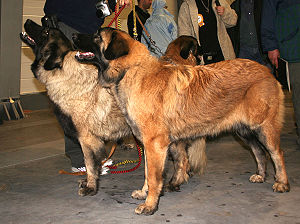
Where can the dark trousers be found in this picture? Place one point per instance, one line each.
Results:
(74, 152)
(72, 148)
(213, 57)
(253, 54)
(294, 69)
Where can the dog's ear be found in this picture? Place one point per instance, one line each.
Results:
(187, 48)
(55, 59)
(117, 47)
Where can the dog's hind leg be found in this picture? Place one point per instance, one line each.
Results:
(92, 149)
(250, 137)
(270, 137)
(264, 110)
(181, 166)
(197, 156)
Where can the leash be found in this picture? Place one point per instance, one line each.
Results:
(128, 161)
(135, 34)
(152, 42)
(135, 16)
(114, 166)
(113, 149)
(116, 16)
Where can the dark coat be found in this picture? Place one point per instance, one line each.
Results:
(78, 14)
(280, 28)
(234, 32)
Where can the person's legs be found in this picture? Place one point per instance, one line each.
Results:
(74, 152)
(72, 147)
(294, 69)
(251, 53)
(213, 58)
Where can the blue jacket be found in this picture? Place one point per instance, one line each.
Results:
(78, 14)
(161, 27)
(280, 28)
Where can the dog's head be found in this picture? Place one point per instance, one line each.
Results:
(112, 51)
(184, 50)
(49, 45)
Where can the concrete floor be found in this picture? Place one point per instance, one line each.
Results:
(32, 191)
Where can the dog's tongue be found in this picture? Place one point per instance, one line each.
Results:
(85, 55)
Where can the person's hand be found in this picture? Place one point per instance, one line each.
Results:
(273, 56)
(125, 2)
(220, 10)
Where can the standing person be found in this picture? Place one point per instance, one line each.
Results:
(141, 11)
(179, 4)
(75, 16)
(247, 36)
(281, 39)
(125, 2)
(207, 22)
(161, 27)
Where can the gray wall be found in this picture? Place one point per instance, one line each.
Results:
(10, 47)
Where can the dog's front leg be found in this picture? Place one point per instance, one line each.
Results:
(92, 149)
(156, 151)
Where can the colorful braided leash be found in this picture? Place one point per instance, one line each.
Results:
(139, 161)
(116, 15)
(115, 166)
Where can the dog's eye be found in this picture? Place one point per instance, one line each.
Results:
(98, 32)
(46, 32)
(96, 36)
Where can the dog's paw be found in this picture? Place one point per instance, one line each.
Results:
(144, 209)
(280, 187)
(82, 183)
(172, 188)
(87, 191)
(139, 194)
(84, 190)
(255, 178)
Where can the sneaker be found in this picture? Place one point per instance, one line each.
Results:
(108, 163)
(78, 169)
(105, 167)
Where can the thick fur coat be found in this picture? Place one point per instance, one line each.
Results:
(164, 104)
(89, 112)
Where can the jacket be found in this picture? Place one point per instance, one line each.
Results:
(280, 28)
(161, 27)
(234, 32)
(78, 14)
(188, 24)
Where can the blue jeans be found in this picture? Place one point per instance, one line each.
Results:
(253, 54)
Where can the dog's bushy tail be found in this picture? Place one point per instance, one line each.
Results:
(197, 156)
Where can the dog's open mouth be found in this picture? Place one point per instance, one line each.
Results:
(85, 55)
(28, 38)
